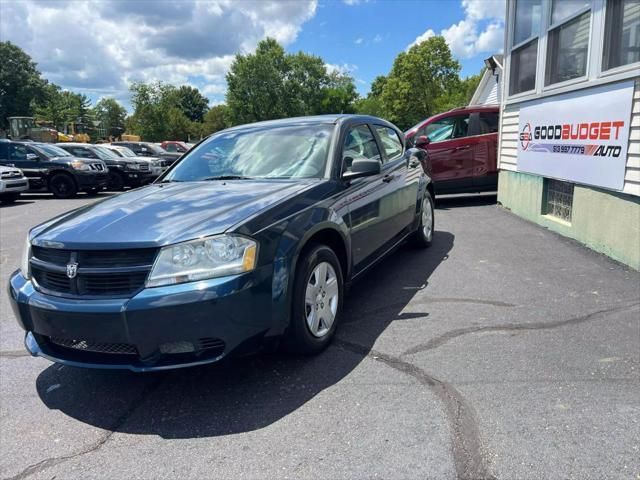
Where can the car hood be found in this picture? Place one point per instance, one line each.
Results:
(68, 160)
(162, 214)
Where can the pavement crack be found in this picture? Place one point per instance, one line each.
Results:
(468, 452)
(510, 327)
(119, 421)
(14, 353)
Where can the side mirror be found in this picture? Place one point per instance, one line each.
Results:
(422, 141)
(32, 157)
(362, 167)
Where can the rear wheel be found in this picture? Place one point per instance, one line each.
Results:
(62, 186)
(423, 236)
(317, 301)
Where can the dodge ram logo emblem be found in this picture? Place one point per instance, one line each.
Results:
(72, 269)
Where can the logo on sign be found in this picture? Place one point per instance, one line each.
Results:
(72, 269)
(525, 136)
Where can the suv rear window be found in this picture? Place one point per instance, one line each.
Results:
(489, 122)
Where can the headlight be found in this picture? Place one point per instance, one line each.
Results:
(133, 166)
(26, 256)
(201, 259)
(80, 166)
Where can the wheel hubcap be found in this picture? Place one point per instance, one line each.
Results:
(427, 218)
(321, 299)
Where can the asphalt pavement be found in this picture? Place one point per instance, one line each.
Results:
(503, 352)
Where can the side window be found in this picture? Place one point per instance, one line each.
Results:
(4, 151)
(18, 153)
(391, 143)
(489, 122)
(79, 152)
(359, 142)
(447, 128)
(170, 147)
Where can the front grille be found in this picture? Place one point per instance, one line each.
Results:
(97, 347)
(144, 167)
(11, 174)
(97, 166)
(99, 273)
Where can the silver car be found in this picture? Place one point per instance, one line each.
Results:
(12, 183)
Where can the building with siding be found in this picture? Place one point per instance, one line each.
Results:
(569, 149)
(489, 90)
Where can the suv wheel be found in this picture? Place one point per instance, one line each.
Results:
(423, 237)
(116, 181)
(62, 185)
(317, 301)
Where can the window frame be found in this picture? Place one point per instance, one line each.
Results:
(383, 152)
(517, 46)
(595, 75)
(343, 137)
(564, 21)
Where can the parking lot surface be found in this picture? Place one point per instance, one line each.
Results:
(504, 351)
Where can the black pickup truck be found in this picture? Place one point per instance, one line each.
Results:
(49, 168)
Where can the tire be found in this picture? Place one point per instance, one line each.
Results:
(423, 237)
(63, 185)
(116, 181)
(311, 330)
(9, 197)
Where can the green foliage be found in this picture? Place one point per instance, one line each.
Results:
(192, 103)
(157, 114)
(216, 119)
(20, 83)
(419, 81)
(273, 84)
(62, 107)
(112, 115)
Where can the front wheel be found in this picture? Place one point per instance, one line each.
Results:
(116, 181)
(62, 186)
(317, 301)
(423, 236)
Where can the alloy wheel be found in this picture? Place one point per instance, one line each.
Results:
(321, 299)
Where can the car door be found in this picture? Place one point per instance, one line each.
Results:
(405, 177)
(27, 159)
(485, 149)
(451, 155)
(371, 208)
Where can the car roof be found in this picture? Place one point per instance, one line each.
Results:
(312, 119)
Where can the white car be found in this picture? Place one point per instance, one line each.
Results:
(12, 183)
(155, 164)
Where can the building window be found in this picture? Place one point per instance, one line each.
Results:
(522, 77)
(527, 19)
(622, 33)
(567, 50)
(558, 199)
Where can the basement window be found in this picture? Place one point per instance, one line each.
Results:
(558, 199)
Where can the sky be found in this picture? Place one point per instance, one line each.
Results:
(98, 47)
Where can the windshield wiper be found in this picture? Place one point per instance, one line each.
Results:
(228, 177)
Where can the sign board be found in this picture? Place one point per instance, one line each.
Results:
(581, 136)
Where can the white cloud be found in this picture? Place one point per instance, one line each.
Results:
(344, 68)
(359, 41)
(90, 46)
(354, 2)
(480, 32)
(377, 38)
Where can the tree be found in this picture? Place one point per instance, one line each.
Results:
(273, 84)
(418, 79)
(62, 107)
(192, 103)
(217, 118)
(112, 115)
(20, 83)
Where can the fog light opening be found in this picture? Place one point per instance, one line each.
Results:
(177, 347)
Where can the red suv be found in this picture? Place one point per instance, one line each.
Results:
(463, 148)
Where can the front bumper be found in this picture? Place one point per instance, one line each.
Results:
(91, 180)
(14, 185)
(137, 178)
(159, 328)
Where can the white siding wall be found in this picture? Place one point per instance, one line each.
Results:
(508, 149)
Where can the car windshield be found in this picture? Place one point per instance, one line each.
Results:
(105, 153)
(272, 152)
(155, 148)
(125, 152)
(52, 151)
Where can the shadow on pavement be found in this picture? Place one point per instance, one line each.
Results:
(249, 393)
(472, 200)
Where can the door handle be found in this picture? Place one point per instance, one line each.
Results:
(388, 178)
(465, 147)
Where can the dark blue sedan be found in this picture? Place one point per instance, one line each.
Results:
(248, 242)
